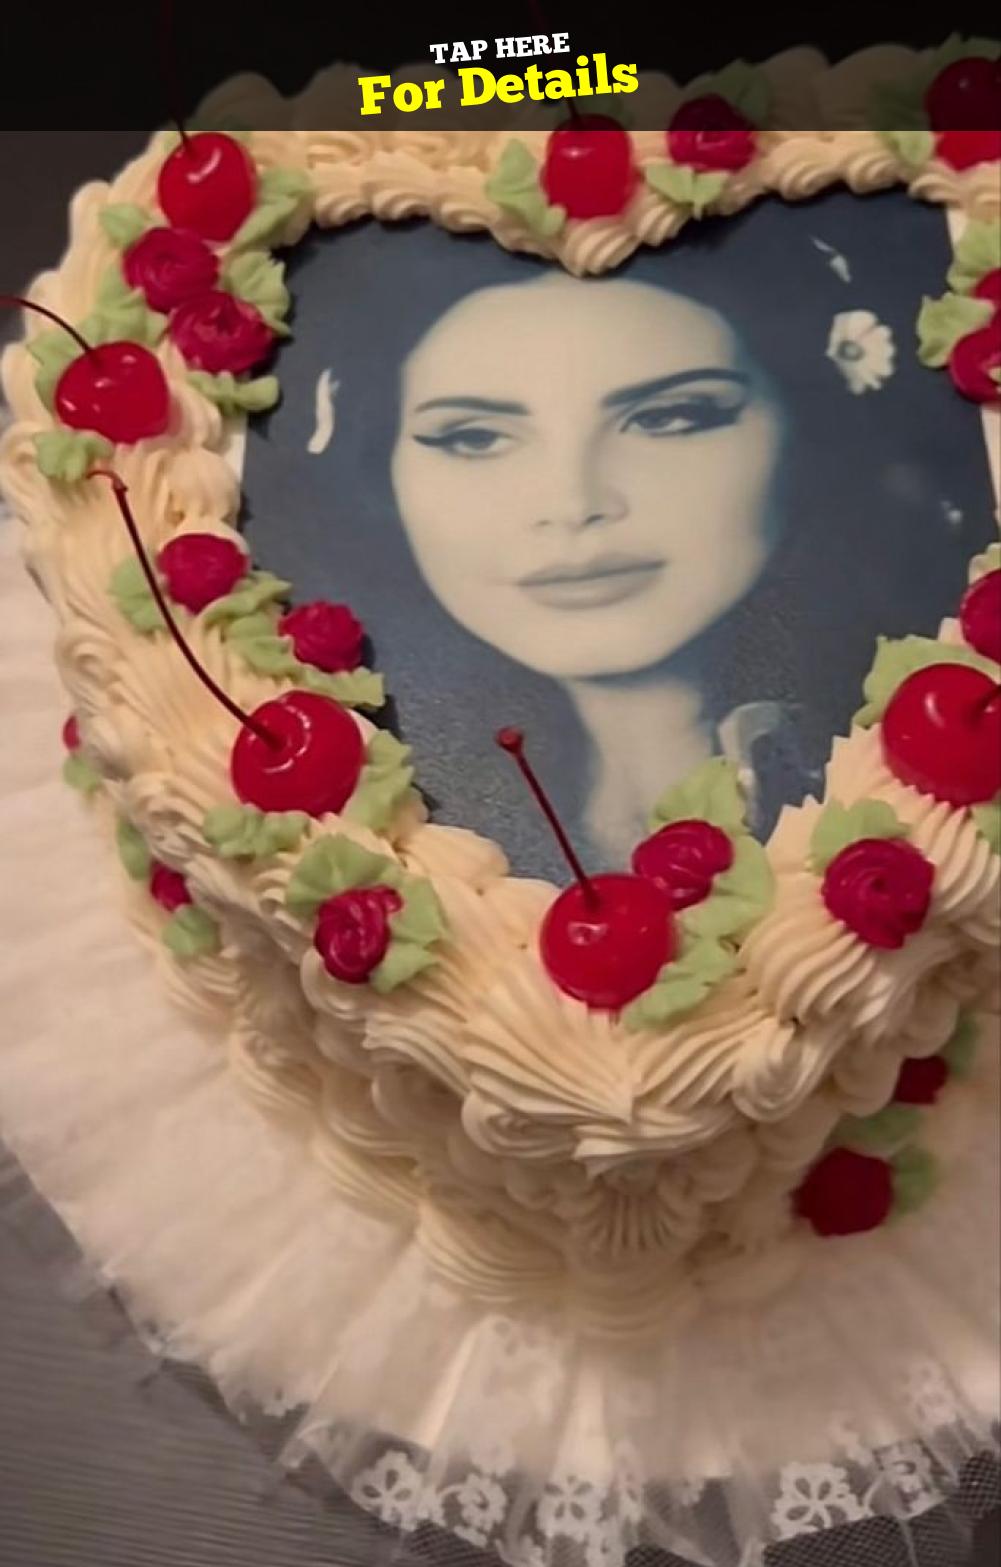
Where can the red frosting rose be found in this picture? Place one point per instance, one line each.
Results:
(962, 149)
(846, 1193)
(973, 359)
(682, 859)
(980, 615)
(920, 1081)
(217, 332)
(352, 932)
(170, 266)
(709, 134)
(880, 888)
(325, 635)
(200, 568)
(71, 733)
(169, 888)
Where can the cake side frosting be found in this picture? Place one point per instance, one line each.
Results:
(534, 1144)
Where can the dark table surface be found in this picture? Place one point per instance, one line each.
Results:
(106, 1461)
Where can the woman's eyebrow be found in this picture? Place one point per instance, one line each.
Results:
(480, 405)
(666, 383)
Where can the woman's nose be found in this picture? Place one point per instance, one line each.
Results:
(579, 493)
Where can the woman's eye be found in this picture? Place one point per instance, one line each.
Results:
(682, 418)
(468, 441)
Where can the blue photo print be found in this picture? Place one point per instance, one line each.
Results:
(648, 517)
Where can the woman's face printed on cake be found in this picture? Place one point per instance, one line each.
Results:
(585, 489)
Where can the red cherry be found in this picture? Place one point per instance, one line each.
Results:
(989, 287)
(980, 615)
(315, 765)
(941, 733)
(972, 360)
(966, 96)
(962, 149)
(200, 568)
(208, 185)
(682, 859)
(117, 389)
(607, 953)
(168, 888)
(920, 1082)
(846, 1193)
(589, 168)
(712, 112)
(71, 733)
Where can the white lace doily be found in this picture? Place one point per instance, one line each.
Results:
(860, 1393)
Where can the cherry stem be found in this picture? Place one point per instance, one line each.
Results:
(168, 61)
(513, 742)
(15, 301)
(121, 493)
(542, 23)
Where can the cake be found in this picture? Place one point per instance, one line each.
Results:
(743, 1047)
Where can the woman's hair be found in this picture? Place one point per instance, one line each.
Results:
(864, 544)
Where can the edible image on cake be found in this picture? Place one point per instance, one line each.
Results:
(648, 517)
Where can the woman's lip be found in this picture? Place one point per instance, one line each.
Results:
(598, 586)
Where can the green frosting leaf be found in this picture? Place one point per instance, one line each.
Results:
(256, 639)
(956, 47)
(989, 560)
(53, 352)
(122, 312)
(685, 186)
(897, 106)
(987, 820)
(976, 252)
(257, 589)
(233, 397)
(961, 1049)
(839, 825)
(350, 687)
(81, 774)
(281, 194)
(942, 322)
(402, 962)
(132, 850)
(915, 1177)
(123, 222)
(914, 148)
(896, 658)
(516, 187)
(66, 456)
(384, 783)
(191, 933)
(421, 919)
(253, 275)
(334, 865)
(712, 793)
(739, 896)
(241, 832)
(741, 85)
(131, 593)
(883, 1132)
(681, 985)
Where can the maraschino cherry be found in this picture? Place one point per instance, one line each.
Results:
(965, 95)
(299, 751)
(941, 734)
(117, 389)
(589, 168)
(980, 615)
(208, 185)
(605, 939)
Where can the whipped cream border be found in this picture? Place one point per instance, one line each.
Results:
(534, 1147)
